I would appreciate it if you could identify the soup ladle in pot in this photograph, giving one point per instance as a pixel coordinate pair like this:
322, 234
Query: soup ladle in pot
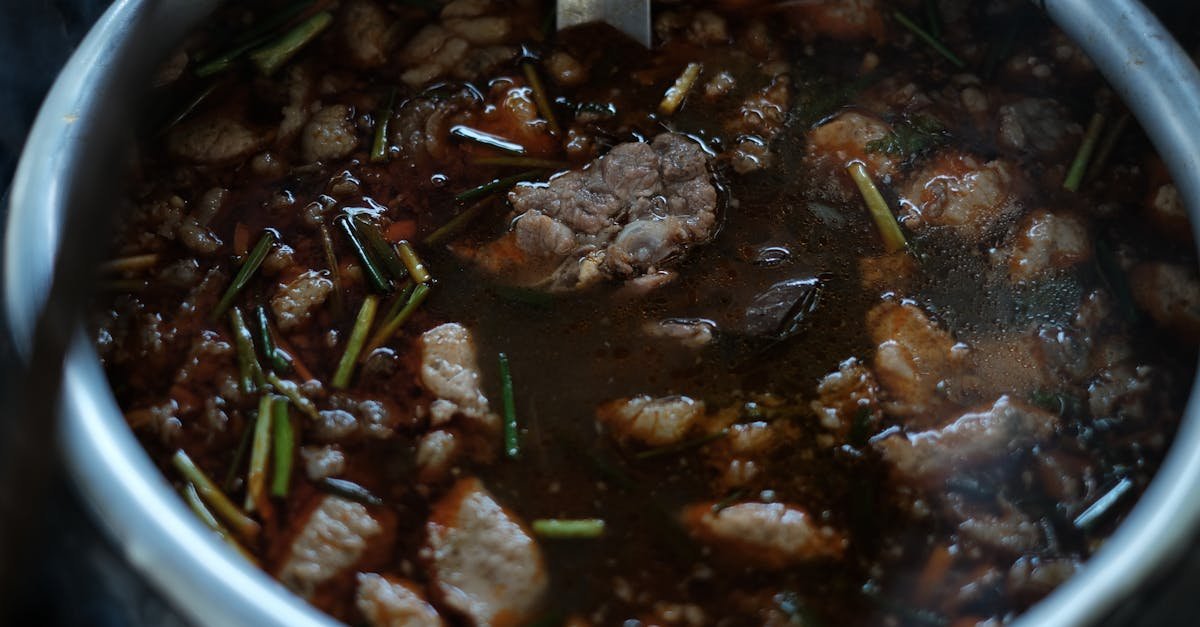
631, 17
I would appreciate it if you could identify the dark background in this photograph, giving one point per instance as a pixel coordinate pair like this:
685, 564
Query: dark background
82, 579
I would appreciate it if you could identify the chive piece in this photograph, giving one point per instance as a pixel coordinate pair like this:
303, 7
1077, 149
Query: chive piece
682, 446
679, 90
285, 448
192, 498
133, 263
252, 38
239, 456
335, 271
487, 139
374, 275
416, 269
362, 326
245, 273
256, 476
400, 300
280, 361
348, 490
569, 529
729, 500
933, 15
293, 394
540, 96
1102, 509
1107, 145
242, 524
512, 437
889, 229
495, 185
1080, 163
274, 55
250, 372
929, 39
520, 162
390, 327
457, 223
380, 248
379, 148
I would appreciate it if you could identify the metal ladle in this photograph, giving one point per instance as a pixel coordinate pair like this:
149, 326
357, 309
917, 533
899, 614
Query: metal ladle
631, 17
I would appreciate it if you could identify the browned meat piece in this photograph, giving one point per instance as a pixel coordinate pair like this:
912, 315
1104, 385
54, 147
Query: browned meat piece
651, 421
367, 32
890, 273
1010, 531
391, 602
759, 120
436, 454
322, 461
1038, 125
913, 355
1033, 577
214, 139
703, 28
294, 302
743, 454
763, 535
421, 127
1167, 211
843, 140
1128, 391
482, 561
689, 332
566, 70
845, 396
1170, 293
1046, 242
961, 192
450, 372
976, 438
330, 134
193, 231
626, 215
846, 20
333, 538
473, 37
352, 418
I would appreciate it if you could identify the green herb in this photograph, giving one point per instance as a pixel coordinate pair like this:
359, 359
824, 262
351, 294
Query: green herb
889, 229
293, 394
679, 90
192, 498
729, 500
335, 271
682, 446
274, 55
239, 455
1107, 145
1105, 507
512, 437
933, 16
540, 96
284, 449
260, 34
280, 361
348, 490
245, 273
929, 39
487, 140
379, 147
390, 327
569, 529
379, 247
458, 222
256, 476
416, 269
821, 98
250, 372
910, 137
243, 525
495, 185
400, 299
372, 271
362, 326
1080, 163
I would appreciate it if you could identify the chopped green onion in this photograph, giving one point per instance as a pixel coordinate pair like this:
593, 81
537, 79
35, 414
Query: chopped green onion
348, 490
250, 372
239, 455
512, 437
1104, 506
390, 327
416, 269
129, 264
256, 476
539, 95
192, 498
252, 38
274, 55
400, 300
379, 148
458, 222
679, 90
280, 361
929, 39
293, 394
495, 185
362, 326
1107, 145
370, 269
934, 16
569, 529
729, 500
487, 139
335, 271
682, 446
520, 162
285, 448
889, 229
380, 248
246, 272
243, 525
1080, 163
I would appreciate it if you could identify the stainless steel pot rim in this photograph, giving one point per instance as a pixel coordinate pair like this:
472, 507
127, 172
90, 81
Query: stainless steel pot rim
212, 585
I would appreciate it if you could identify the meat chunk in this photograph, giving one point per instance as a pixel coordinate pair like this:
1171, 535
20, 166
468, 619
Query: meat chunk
759, 120
1170, 293
436, 453
482, 562
330, 134
333, 538
651, 421
367, 32
844, 20
626, 215
390, 602
843, 140
450, 372
912, 356
421, 127
213, 140
472, 37
1037, 125
976, 438
322, 461
764, 535
843, 397
960, 192
351, 418
294, 302
1046, 242
689, 332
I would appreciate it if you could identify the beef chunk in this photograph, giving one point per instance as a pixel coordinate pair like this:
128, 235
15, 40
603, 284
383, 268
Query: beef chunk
334, 538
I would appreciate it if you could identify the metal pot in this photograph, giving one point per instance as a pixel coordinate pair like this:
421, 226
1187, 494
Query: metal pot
74, 137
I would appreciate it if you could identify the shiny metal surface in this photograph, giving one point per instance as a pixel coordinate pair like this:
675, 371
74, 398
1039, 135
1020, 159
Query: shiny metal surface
631, 17
213, 586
